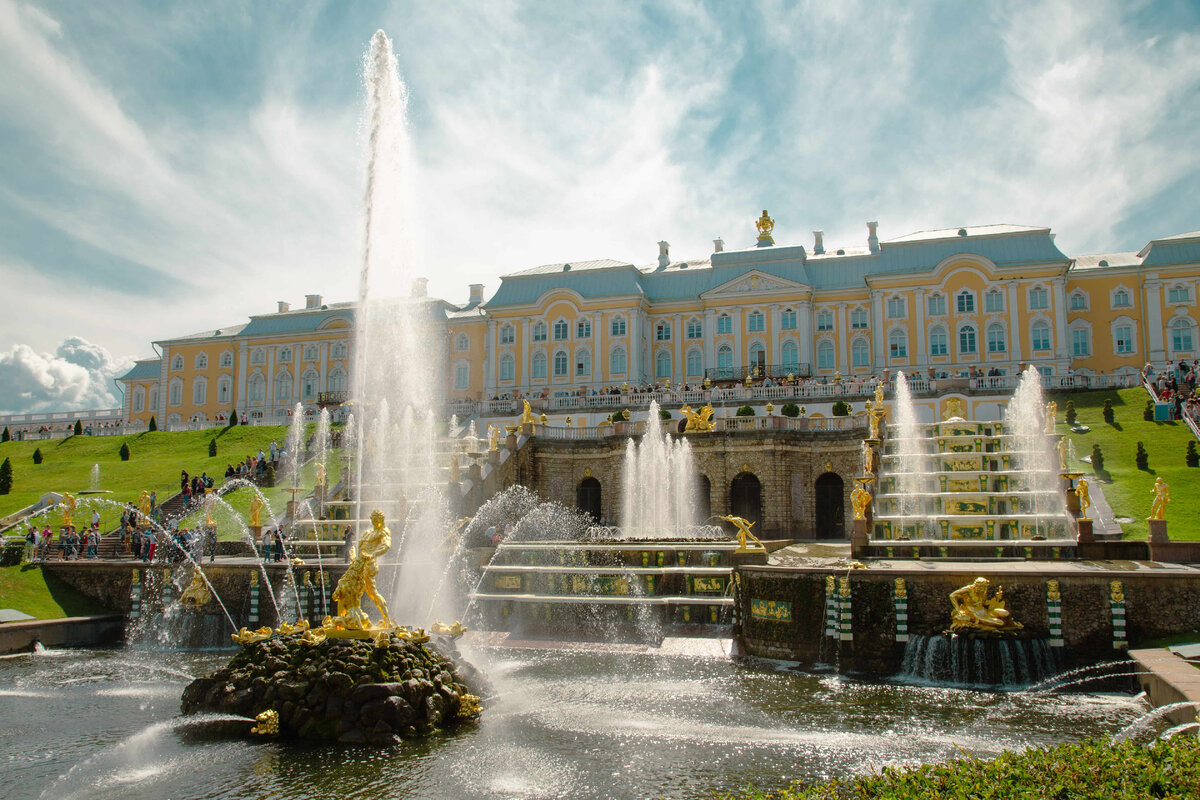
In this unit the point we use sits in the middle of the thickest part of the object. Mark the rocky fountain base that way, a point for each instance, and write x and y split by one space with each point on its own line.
356 691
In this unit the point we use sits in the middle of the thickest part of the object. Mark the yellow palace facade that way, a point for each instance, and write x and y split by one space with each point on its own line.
986 299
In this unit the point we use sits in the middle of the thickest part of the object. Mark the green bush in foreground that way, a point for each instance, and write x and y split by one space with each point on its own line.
1093 769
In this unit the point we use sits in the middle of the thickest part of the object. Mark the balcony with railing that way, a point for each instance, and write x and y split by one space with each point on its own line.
758 372
332 398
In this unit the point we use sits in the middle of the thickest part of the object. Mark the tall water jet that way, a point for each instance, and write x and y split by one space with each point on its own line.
659 485
397 369
1033 450
94 481
917 480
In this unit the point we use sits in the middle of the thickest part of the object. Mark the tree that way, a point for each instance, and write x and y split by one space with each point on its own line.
745 411
790 410
153 424
841 409
1071 415
1193 458
232 419
5 437
664 414
78 428
1142 457
1097 459
212 448
1108 411
6 478
269 476
124 451
1148 412
37 456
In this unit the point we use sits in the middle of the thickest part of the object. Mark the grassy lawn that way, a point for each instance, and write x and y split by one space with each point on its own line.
155 461
1129 492
29 590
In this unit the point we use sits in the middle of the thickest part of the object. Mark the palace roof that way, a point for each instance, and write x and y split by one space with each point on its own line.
147 368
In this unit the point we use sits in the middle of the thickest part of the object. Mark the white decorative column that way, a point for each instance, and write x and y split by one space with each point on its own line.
269 400
878 336
679 343
804 329
1014 324
489 359
710 338
323 367
739 359
1154 323
599 362
922 355
1060 318
635 346
241 401
843 340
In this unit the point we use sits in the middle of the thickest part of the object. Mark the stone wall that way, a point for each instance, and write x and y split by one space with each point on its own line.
1157 603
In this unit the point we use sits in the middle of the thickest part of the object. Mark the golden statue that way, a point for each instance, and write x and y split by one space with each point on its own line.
901 590
197 593
256 507
1162 496
1061 447
268 723
868 457
765 226
860 498
743 525
143 504
879 395
1052 590
456 630
953 409
69 505
246 636
1116 592
1051 416
1081 491
698 421
359 579
493 437
875 415
527 417
320 474
973 610
208 508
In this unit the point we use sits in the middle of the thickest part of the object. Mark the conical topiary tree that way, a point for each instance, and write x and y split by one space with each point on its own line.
5 437
1108 411
1142 457
37 456
1071 415
153 424
1097 459
212 448
78 428
6 477
124 451
1192 457
232 419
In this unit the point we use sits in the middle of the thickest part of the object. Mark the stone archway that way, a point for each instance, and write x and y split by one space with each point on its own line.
703 499
830 507
745 497
588 496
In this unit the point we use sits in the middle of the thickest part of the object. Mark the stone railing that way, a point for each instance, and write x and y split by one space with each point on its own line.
1006 383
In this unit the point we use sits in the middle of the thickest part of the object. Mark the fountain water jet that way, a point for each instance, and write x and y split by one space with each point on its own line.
659 485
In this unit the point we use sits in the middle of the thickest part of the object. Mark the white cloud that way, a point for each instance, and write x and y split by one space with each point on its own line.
78 375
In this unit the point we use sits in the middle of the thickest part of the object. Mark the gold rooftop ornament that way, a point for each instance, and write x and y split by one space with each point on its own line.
1162 496
698 421
765 227
743 525
974 610
359 579
256 507
68 509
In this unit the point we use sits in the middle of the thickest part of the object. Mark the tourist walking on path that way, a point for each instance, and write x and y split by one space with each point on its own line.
31 539
265 545
149 545
47 540
210 542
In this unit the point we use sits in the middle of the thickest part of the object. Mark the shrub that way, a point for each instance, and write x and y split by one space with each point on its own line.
1071 415
1108 411
232 419
1148 412
841 409
124 451
1097 459
790 410
37 456
269 476
745 411
212 448
1142 457
153 424
78 428
1193 458
664 414
6 477
5 437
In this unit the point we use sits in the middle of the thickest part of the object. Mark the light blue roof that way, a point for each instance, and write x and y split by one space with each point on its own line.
151 368
1181 249
1004 245
301 321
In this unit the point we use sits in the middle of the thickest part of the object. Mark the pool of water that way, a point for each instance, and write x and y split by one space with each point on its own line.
567 723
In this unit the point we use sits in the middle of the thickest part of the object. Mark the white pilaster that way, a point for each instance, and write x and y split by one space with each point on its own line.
710 338
843 340
878 332
804 330
1060 319
1014 324
922 356
1154 322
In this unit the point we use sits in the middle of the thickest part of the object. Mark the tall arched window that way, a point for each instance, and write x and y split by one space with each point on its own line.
694 362
560 364
462 375
825 354
791 356
139 399
337 380
996 339
175 392
860 353
966 340
308 385
897 344
938 346
224 389
662 364
283 387
539 331
508 366
725 359
199 391
583 362
258 388
1041 336
1181 335
539 365
758 357
616 361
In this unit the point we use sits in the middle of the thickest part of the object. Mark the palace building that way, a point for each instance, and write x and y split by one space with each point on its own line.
984 300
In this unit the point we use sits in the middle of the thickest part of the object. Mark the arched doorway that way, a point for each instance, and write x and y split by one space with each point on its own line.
703 498
745 497
831 513
587 497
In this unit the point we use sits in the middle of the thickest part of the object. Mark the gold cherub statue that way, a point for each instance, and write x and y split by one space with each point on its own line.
743 525
860 498
1085 501
359 579
256 507
1162 496
698 421
973 610
69 505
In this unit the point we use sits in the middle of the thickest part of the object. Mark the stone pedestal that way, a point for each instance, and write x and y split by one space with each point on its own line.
527 429
859 539
1158 531
510 441
1085 532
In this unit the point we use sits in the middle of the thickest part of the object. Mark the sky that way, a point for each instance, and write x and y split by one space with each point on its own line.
171 167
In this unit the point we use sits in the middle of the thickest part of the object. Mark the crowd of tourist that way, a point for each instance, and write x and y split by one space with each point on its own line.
1176 384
